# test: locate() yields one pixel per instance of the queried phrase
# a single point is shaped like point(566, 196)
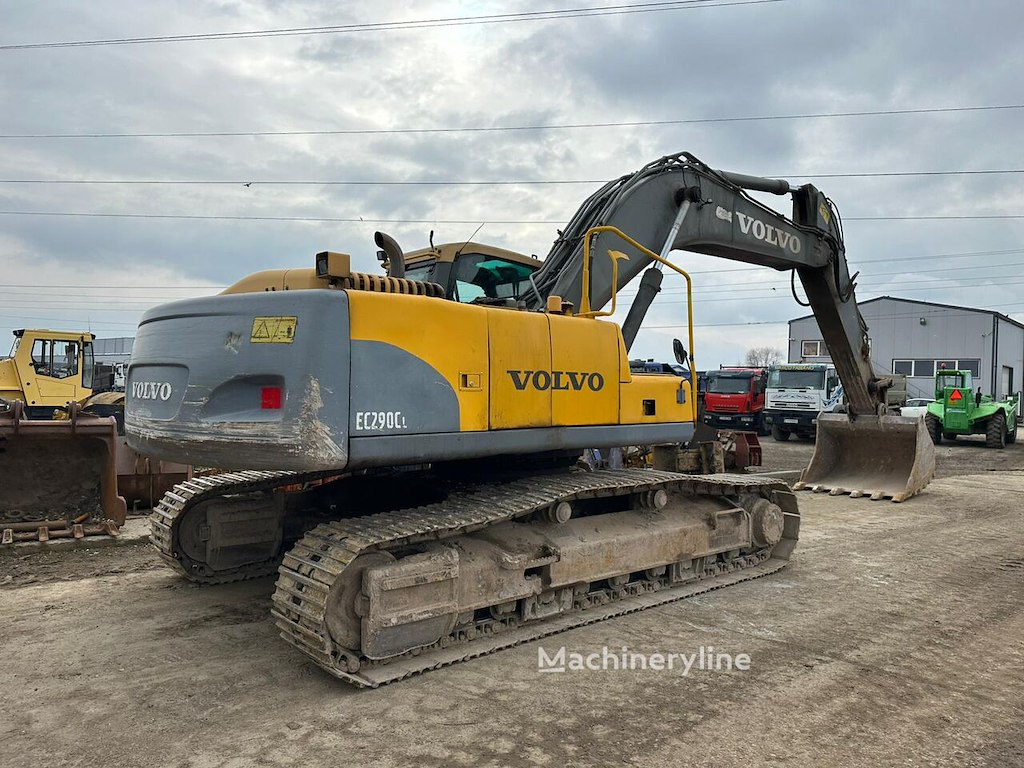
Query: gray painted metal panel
point(415, 449)
point(1010, 354)
point(397, 393)
point(196, 379)
point(947, 333)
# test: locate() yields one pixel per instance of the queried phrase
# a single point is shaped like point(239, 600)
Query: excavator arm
point(680, 203)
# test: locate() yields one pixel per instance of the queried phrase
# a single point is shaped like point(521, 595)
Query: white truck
point(796, 394)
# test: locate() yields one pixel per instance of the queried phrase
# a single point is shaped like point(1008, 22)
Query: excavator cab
point(473, 273)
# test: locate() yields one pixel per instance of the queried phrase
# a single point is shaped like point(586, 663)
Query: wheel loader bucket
point(58, 478)
point(877, 456)
point(140, 479)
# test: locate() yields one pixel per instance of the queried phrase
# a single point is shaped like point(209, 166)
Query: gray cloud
point(777, 59)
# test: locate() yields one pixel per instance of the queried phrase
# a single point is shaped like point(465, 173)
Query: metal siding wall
point(897, 333)
point(1011, 353)
point(800, 330)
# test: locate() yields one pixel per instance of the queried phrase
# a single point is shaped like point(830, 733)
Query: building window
point(974, 366)
point(927, 368)
point(813, 349)
point(924, 368)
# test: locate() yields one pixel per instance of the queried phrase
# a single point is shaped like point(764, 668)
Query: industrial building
point(917, 337)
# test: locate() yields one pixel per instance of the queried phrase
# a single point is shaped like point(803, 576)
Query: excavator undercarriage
point(373, 597)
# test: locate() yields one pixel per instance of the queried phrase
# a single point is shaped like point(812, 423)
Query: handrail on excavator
point(586, 311)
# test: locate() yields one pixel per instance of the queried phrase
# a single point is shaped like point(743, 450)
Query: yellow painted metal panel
point(663, 391)
point(584, 371)
point(10, 382)
point(520, 369)
point(450, 337)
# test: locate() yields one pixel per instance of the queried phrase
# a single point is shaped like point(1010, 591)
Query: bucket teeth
point(882, 457)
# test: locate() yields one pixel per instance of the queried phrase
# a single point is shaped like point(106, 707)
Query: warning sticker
point(273, 330)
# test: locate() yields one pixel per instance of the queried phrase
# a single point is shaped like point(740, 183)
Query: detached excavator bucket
point(58, 479)
point(877, 456)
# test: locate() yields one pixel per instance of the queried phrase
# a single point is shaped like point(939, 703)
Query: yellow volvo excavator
point(407, 444)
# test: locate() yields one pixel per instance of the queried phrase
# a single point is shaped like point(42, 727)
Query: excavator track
point(302, 600)
point(184, 496)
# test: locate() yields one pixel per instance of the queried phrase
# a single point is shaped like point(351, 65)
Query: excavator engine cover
point(877, 456)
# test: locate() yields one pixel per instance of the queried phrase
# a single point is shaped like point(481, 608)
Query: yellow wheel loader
point(406, 445)
point(65, 468)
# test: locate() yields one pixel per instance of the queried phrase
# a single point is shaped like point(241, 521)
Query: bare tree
point(762, 357)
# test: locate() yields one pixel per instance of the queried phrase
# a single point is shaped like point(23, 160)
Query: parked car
point(916, 406)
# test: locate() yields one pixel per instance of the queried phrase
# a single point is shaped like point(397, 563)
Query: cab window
point(41, 357)
point(421, 273)
point(56, 359)
point(65, 359)
point(88, 365)
point(478, 276)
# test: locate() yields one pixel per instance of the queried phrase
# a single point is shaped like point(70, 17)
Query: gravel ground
point(892, 638)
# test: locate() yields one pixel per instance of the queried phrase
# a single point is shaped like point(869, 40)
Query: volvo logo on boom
point(151, 390)
point(769, 234)
point(557, 380)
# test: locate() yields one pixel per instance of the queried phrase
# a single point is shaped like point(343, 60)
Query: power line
point(390, 26)
point(872, 277)
point(698, 325)
point(369, 220)
point(496, 129)
point(22, 298)
point(704, 295)
point(698, 300)
point(928, 257)
point(453, 183)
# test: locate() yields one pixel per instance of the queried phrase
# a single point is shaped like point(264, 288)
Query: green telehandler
point(959, 410)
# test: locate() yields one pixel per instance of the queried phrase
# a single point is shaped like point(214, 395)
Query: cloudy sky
point(908, 114)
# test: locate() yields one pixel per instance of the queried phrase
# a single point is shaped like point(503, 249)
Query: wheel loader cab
point(48, 369)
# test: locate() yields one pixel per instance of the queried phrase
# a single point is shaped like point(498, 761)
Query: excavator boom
point(680, 203)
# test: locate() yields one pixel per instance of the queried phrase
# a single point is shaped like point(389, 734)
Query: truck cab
point(48, 369)
point(734, 398)
point(796, 394)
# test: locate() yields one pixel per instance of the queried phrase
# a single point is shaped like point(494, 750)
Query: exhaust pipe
point(396, 258)
point(876, 456)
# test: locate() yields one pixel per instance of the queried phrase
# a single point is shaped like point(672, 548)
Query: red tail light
point(270, 398)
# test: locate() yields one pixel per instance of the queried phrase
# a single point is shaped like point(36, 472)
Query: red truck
point(734, 399)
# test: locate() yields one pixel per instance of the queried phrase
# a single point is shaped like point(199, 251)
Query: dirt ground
point(966, 456)
point(894, 637)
